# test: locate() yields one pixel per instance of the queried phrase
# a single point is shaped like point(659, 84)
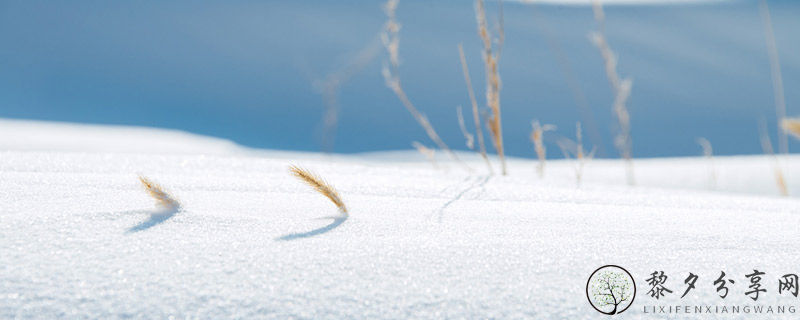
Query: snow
point(24, 135)
point(79, 238)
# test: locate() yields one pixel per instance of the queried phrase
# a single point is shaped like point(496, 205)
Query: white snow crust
point(79, 238)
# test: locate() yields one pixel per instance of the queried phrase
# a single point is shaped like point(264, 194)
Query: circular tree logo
point(611, 289)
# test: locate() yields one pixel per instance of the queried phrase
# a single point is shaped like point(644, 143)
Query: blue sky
point(245, 70)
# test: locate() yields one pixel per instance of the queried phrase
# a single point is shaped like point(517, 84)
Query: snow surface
point(78, 237)
point(22, 135)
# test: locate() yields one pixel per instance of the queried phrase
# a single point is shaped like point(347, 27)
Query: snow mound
point(80, 239)
point(25, 135)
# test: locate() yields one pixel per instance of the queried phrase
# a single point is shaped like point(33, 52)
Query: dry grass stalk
point(581, 158)
point(766, 144)
point(583, 108)
point(791, 125)
point(427, 152)
point(475, 113)
point(391, 41)
point(541, 150)
point(493, 84)
point(621, 89)
point(157, 192)
point(708, 152)
point(319, 185)
point(775, 71)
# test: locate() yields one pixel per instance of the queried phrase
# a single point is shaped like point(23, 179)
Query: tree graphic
point(610, 288)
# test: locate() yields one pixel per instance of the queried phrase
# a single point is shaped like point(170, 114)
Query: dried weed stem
point(536, 137)
point(475, 114)
point(493, 84)
point(391, 41)
point(621, 89)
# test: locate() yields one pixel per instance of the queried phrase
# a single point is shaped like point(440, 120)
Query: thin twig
point(766, 144)
point(391, 41)
point(581, 159)
point(775, 71)
point(467, 136)
point(475, 113)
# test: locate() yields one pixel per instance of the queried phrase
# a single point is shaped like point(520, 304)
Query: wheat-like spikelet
point(490, 59)
point(536, 138)
point(157, 192)
point(319, 185)
point(791, 125)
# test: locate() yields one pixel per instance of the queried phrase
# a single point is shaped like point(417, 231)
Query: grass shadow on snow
point(337, 221)
point(155, 219)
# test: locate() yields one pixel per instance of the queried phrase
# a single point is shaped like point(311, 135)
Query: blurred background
point(259, 72)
